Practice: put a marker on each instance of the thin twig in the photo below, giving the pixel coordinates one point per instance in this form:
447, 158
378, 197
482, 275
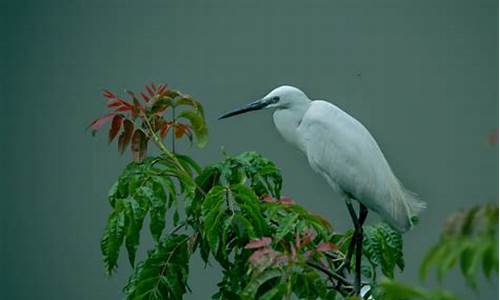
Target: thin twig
343, 285
329, 273
173, 129
177, 228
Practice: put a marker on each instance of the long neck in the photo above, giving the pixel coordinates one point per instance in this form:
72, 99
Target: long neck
288, 120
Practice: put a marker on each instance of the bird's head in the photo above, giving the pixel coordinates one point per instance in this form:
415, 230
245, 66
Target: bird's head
282, 97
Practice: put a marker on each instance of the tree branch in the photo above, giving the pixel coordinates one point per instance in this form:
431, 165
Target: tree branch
345, 287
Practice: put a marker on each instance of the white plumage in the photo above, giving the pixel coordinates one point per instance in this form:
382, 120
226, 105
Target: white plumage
342, 150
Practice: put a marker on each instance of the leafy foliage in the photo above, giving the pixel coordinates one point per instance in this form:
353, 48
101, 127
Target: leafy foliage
392, 290
383, 247
233, 213
164, 274
143, 120
146, 187
470, 239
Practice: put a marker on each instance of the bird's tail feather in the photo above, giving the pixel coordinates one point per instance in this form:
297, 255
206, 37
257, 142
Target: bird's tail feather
405, 208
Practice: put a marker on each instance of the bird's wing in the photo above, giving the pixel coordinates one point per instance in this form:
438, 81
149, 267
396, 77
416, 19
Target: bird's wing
342, 150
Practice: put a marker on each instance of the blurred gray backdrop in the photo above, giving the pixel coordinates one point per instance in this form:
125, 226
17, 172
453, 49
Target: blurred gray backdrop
421, 75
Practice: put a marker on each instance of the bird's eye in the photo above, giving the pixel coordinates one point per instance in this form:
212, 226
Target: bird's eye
275, 99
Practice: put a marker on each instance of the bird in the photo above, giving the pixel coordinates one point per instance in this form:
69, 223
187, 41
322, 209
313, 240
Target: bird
345, 154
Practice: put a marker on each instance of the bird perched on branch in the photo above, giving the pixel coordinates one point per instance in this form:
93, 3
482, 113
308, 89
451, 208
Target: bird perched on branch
343, 151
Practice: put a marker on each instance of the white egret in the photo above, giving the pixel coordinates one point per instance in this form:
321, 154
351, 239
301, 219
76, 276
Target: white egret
341, 149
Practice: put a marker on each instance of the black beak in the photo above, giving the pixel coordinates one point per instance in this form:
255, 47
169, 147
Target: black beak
259, 104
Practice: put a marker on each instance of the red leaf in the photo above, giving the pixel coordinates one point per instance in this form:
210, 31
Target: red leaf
149, 90
164, 127
116, 124
99, 122
153, 86
146, 98
118, 102
108, 94
259, 254
124, 139
281, 260
258, 243
325, 247
286, 201
138, 145
131, 94
180, 130
162, 88
138, 105
114, 103
268, 199
308, 237
124, 108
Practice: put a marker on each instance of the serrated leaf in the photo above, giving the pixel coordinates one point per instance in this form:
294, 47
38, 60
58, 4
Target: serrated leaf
382, 245
135, 211
164, 274
113, 239
158, 208
213, 211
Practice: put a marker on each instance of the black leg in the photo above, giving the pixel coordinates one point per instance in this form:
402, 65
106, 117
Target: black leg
352, 243
356, 243
363, 212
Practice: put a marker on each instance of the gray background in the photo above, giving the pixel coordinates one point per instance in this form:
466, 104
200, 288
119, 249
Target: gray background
421, 75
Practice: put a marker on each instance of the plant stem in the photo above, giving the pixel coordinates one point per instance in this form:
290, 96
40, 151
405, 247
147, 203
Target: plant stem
343, 286
173, 127
168, 153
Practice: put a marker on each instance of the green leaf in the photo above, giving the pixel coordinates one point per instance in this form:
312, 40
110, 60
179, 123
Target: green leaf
249, 204
261, 278
136, 211
243, 229
188, 163
162, 104
265, 176
191, 102
467, 237
286, 226
198, 125
393, 290
277, 292
158, 204
383, 246
213, 212
490, 259
113, 238
164, 274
